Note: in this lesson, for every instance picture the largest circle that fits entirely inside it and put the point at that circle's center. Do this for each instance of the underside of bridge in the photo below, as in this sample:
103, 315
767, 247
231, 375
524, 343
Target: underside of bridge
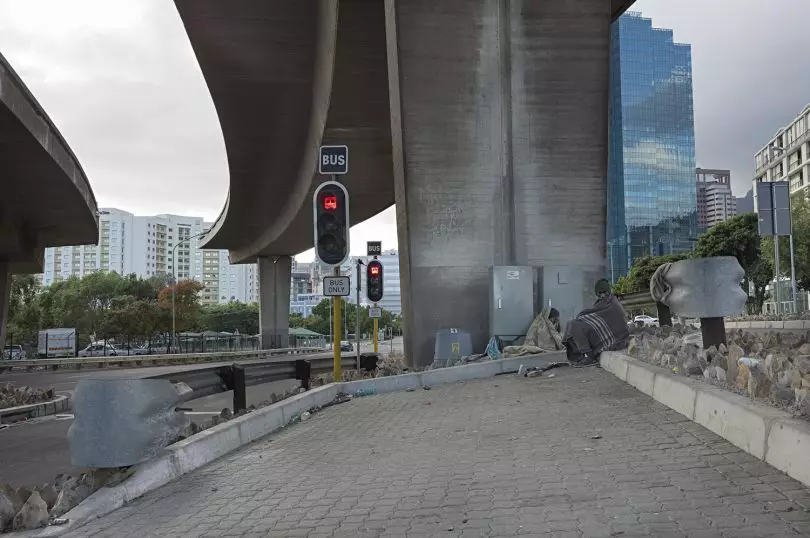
485, 122
46, 200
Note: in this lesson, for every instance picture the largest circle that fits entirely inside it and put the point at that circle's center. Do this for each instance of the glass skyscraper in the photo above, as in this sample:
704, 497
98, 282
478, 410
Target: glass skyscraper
652, 203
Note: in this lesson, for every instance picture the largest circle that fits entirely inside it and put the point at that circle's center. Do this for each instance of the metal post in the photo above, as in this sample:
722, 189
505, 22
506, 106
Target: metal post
357, 312
336, 330
239, 388
612, 274
776, 260
793, 276
376, 331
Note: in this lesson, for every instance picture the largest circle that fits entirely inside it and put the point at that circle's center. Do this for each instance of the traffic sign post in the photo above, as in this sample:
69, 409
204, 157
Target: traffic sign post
336, 302
334, 160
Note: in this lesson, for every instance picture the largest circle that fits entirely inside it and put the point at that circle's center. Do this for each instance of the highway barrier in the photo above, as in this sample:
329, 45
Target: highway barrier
152, 360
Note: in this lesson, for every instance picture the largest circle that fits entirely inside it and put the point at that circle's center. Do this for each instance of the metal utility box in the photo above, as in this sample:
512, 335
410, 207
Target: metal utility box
511, 301
563, 288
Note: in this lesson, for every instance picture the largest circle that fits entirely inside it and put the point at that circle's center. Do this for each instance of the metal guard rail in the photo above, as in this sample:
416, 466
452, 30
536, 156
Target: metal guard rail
238, 376
641, 299
154, 360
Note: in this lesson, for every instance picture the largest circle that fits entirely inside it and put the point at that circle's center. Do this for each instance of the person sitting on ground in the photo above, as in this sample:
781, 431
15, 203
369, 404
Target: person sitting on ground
597, 329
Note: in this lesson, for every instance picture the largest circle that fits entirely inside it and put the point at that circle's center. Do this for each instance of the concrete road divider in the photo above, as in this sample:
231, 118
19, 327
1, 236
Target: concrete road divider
59, 404
763, 431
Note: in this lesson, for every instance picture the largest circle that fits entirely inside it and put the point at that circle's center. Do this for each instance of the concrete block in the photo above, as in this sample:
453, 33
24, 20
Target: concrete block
677, 393
789, 448
641, 376
382, 385
537, 361
296, 405
736, 418
793, 325
208, 445
460, 373
759, 324
260, 422
614, 362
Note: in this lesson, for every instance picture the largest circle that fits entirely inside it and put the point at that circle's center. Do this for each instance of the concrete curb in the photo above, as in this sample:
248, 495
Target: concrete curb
60, 404
208, 445
763, 431
793, 325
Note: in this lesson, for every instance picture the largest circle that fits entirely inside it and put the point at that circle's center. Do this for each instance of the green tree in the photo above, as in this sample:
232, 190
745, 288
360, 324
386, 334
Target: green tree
800, 217
739, 237
638, 279
188, 311
234, 316
23, 309
296, 320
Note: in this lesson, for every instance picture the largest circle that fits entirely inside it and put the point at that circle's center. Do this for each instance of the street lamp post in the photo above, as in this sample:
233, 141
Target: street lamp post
174, 285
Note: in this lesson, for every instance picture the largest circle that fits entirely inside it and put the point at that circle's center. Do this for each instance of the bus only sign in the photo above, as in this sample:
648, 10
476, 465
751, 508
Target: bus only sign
336, 286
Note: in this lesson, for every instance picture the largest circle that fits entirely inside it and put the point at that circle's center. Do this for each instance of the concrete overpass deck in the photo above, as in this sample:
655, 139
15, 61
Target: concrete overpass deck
46, 199
506, 456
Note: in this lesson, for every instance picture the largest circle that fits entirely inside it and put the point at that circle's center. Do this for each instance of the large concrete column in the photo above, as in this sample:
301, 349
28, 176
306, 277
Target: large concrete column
274, 300
499, 132
5, 292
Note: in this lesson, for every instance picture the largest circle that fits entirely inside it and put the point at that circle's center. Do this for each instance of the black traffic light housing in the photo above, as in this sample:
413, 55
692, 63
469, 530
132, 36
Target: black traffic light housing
374, 281
331, 214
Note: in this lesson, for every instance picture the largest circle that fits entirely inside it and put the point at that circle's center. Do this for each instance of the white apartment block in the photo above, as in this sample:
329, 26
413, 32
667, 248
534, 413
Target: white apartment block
156, 245
715, 201
787, 156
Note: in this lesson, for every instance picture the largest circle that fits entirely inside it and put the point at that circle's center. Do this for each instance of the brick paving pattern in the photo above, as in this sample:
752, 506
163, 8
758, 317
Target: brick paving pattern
500, 457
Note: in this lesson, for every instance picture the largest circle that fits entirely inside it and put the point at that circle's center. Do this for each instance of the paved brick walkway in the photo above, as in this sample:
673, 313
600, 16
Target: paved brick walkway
500, 457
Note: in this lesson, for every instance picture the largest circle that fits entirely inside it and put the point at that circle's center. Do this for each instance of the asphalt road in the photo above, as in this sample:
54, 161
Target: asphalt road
35, 451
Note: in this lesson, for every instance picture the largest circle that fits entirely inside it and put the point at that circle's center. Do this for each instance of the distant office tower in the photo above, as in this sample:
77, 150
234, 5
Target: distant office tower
787, 156
715, 202
156, 245
745, 204
652, 201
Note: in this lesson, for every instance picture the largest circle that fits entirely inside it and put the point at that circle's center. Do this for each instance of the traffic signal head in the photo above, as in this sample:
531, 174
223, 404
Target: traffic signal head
331, 214
374, 281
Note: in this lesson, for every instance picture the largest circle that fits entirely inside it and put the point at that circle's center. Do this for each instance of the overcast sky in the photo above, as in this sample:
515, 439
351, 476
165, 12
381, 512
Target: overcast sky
119, 79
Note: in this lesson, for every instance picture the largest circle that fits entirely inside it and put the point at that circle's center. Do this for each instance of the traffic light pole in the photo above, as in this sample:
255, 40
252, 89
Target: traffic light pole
357, 311
376, 331
336, 377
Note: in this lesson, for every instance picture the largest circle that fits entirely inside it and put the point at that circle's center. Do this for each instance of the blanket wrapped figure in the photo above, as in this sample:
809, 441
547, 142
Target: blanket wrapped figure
594, 330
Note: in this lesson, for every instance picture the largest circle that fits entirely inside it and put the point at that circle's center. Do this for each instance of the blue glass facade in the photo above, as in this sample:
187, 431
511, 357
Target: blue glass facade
652, 203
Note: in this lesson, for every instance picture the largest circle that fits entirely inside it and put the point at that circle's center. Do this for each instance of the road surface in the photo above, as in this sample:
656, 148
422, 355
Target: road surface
36, 451
582, 455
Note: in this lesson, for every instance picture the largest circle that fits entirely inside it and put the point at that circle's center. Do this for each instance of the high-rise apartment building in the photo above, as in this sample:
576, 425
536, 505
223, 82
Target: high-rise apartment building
652, 199
715, 201
787, 156
156, 245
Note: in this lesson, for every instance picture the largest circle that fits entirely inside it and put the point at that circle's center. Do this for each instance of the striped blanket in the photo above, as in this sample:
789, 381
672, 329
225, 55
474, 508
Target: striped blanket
597, 329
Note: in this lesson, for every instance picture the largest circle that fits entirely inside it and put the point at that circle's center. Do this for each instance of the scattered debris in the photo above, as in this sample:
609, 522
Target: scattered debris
305, 416
597, 436
410, 389
60, 521
425, 388
552, 375
13, 396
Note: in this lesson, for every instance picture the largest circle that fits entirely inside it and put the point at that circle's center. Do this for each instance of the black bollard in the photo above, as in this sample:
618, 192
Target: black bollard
713, 331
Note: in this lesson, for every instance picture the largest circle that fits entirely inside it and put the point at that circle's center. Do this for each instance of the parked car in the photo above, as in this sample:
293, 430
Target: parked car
100, 350
346, 346
13, 353
124, 349
646, 321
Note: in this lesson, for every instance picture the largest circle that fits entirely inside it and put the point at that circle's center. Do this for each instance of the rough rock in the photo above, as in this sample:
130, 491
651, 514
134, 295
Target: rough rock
784, 395
721, 374
743, 374
633, 348
757, 347
759, 385
710, 372
73, 491
7, 509
802, 363
785, 377
804, 349
11, 494
48, 494
796, 379
33, 514
722, 348
13, 396
735, 353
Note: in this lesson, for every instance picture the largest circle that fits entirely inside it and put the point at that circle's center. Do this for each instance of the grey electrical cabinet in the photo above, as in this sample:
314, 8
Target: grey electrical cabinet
563, 288
511, 301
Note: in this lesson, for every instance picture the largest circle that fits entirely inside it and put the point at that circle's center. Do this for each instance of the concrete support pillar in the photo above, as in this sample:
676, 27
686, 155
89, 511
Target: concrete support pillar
499, 114
274, 301
5, 292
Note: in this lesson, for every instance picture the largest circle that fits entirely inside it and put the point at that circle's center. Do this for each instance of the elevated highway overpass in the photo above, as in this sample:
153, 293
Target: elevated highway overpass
484, 122
46, 199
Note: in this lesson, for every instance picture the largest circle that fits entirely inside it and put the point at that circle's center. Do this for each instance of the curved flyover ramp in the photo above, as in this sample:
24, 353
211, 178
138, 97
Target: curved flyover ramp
284, 78
46, 200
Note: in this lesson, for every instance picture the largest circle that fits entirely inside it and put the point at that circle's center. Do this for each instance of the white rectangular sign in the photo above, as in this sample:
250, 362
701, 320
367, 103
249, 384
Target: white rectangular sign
336, 286
374, 312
